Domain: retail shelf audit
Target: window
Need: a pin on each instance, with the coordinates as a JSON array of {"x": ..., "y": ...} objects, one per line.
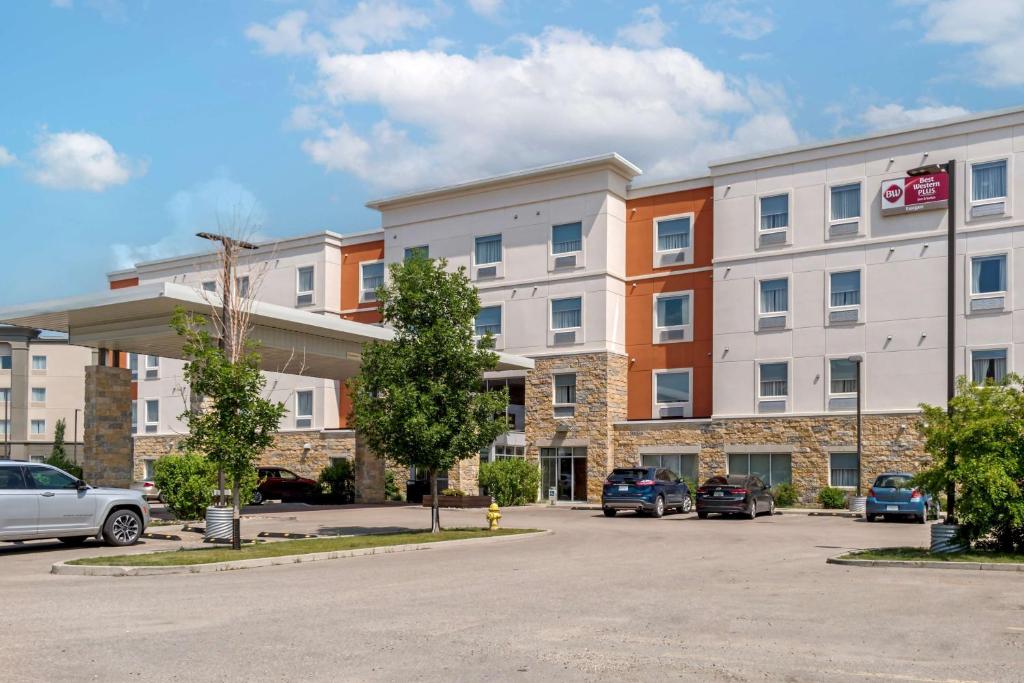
[
  {"x": 303, "y": 409},
  {"x": 988, "y": 274},
  {"x": 988, "y": 365},
  {"x": 564, "y": 397},
  {"x": 845, "y": 202},
  {"x": 152, "y": 367},
  {"x": 567, "y": 238},
  {"x": 773, "y": 468},
  {"x": 488, "y": 250},
  {"x": 988, "y": 180},
  {"x": 242, "y": 286},
  {"x": 4, "y": 425},
  {"x": 11, "y": 478},
  {"x": 673, "y": 233},
  {"x": 421, "y": 251},
  {"x": 38, "y": 395},
  {"x": 774, "y": 380},
  {"x": 842, "y": 376},
  {"x": 149, "y": 469},
  {"x": 37, "y": 458},
  {"x": 5, "y": 362},
  {"x": 210, "y": 286},
  {"x": 372, "y": 278},
  {"x": 304, "y": 286},
  {"x": 133, "y": 365},
  {"x": 671, "y": 387},
  {"x": 845, "y": 289},
  {"x": 682, "y": 464},
  {"x": 673, "y": 310},
  {"x": 38, "y": 427},
  {"x": 488, "y": 320},
  {"x": 152, "y": 415},
  {"x": 566, "y": 314},
  {"x": 135, "y": 417},
  {"x": 843, "y": 469},
  {"x": 39, "y": 362},
  {"x": 775, "y": 212},
  {"x": 46, "y": 478},
  {"x": 775, "y": 296},
  {"x": 5, "y": 395}
]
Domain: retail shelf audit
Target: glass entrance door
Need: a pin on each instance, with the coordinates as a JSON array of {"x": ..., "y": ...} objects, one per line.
[{"x": 565, "y": 470}]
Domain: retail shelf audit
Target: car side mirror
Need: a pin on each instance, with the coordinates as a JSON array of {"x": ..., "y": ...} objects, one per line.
[{"x": 81, "y": 485}]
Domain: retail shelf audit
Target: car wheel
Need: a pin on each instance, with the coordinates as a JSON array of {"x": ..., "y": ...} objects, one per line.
[
  {"x": 609, "y": 512},
  {"x": 73, "y": 540},
  {"x": 870, "y": 518},
  {"x": 687, "y": 505},
  {"x": 702, "y": 515},
  {"x": 123, "y": 527},
  {"x": 257, "y": 498},
  {"x": 659, "y": 507},
  {"x": 923, "y": 518},
  {"x": 753, "y": 510}
]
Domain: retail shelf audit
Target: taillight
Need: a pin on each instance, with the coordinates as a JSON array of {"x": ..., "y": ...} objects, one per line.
[
  {"x": 147, "y": 483},
  {"x": 740, "y": 492},
  {"x": 702, "y": 489},
  {"x": 915, "y": 495},
  {"x": 608, "y": 482},
  {"x": 871, "y": 492},
  {"x": 645, "y": 482}
]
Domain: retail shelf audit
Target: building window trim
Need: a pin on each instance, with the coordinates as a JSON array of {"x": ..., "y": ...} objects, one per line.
[
  {"x": 989, "y": 302},
  {"x": 686, "y": 329},
  {"x": 761, "y": 396},
  {"x": 980, "y": 209},
  {"x": 840, "y": 308},
  {"x": 305, "y": 297},
  {"x": 832, "y": 223},
  {"x": 151, "y": 426},
  {"x": 500, "y": 305},
  {"x": 686, "y": 406},
  {"x": 367, "y": 295},
  {"x": 564, "y": 409},
  {"x": 305, "y": 420},
  {"x": 39, "y": 364},
  {"x": 828, "y": 379},
  {"x": 831, "y": 480},
  {"x": 752, "y": 450},
  {"x": 152, "y": 369},
  {"x": 766, "y": 321},
  {"x": 686, "y": 250},
  {"x": 786, "y": 229},
  {"x": 969, "y": 360},
  {"x": 38, "y": 396}
]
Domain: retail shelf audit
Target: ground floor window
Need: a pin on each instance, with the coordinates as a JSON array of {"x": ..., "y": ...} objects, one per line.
[
  {"x": 842, "y": 470},
  {"x": 773, "y": 468},
  {"x": 682, "y": 464},
  {"x": 565, "y": 470},
  {"x": 500, "y": 452},
  {"x": 149, "y": 467}
]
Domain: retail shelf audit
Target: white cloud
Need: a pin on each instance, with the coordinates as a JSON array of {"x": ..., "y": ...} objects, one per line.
[
  {"x": 217, "y": 205},
  {"x": 734, "y": 19},
  {"x": 305, "y": 117},
  {"x": 6, "y": 157},
  {"x": 445, "y": 117},
  {"x": 993, "y": 27},
  {"x": 647, "y": 29},
  {"x": 81, "y": 161},
  {"x": 285, "y": 37},
  {"x": 63, "y": 4},
  {"x": 898, "y": 116},
  {"x": 487, "y": 8}
]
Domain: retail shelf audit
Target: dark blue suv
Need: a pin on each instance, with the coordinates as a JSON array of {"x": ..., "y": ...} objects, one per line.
[{"x": 646, "y": 490}]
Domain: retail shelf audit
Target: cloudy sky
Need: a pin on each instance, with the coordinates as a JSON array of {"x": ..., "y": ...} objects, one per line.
[{"x": 125, "y": 127}]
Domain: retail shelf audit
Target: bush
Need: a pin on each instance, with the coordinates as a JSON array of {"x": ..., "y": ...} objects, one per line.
[
  {"x": 188, "y": 484},
  {"x": 512, "y": 481},
  {"x": 786, "y": 495},
  {"x": 59, "y": 457},
  {"x": 832, "y": 498},
  {"x": 338, "y": 481},
  {"x": 391, "y": 490},
  {"x": 691, "y": 485},
  {"x": 458, "y": 493}
]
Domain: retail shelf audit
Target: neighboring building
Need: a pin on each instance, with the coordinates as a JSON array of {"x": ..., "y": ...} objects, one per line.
[{"x": 42, "y": 381}]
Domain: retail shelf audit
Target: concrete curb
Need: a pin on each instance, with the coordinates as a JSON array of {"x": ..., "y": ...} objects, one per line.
[
  {"x": 927, "y": 564},
  {"x": 99, "y": 570}
]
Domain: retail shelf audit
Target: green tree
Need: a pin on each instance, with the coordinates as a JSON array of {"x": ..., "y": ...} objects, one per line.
[
  {"x": 58, "y": 455},
  {"x": 419, "y": 399},
  {"x": 235, "y": 423},
  {"x": 986, "y": 432}
]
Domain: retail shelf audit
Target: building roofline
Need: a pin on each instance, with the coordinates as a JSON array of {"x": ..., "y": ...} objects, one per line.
[
  {"x": 869, "y": 137},
  {"x": 613, "y": 160},
  {"x": 666, "y": 186}
]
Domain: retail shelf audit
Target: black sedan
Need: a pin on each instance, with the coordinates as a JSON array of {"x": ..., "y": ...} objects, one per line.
[{"x": 735, "y": 494}]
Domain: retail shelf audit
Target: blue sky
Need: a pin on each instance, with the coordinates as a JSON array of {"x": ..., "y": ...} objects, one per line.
[{"x": 125, "y": 127}]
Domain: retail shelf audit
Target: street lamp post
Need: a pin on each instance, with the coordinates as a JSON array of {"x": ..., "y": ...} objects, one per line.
[{"x": 857, "y": 361}]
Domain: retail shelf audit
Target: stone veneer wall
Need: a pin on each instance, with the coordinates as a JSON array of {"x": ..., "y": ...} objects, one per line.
[
  {"x": 600, "y": 402},
  {"x": 107, "y": 450},
  {"x": 890, "y": 442}
]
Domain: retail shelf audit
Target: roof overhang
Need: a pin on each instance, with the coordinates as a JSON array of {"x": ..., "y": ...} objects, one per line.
[{"x": 137, "y": 319}]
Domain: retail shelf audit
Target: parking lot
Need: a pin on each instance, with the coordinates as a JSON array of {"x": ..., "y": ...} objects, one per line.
[{"x": 611, "y": 599}]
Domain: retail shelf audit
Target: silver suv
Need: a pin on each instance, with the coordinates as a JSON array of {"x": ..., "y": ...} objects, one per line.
[{"x": 40, "y": 501}]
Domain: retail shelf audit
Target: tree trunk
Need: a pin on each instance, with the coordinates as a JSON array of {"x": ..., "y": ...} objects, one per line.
[
  {"x": 435, "y": 508},
  {"x": 236, "y": 517},
  {"x": 221, "y": 499}
]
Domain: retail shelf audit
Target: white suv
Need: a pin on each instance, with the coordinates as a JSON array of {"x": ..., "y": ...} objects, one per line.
[{"x": 40, "y": 501}]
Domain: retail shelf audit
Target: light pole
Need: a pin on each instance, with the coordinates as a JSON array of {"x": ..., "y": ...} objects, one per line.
[{"x": 857, "y": 361}]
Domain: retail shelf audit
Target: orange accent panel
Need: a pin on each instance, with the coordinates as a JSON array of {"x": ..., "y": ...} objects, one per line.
[
  {"x": 364, "y": 316},
  {"x": 344, "y": 406},
  {"x": 127, "y": 282},
  {"x": 640, "y": 215},
  {"x": 351, "y": 257}
]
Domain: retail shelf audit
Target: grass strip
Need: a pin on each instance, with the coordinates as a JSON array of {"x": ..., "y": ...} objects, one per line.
[
  {"x": 916, "y": 554},
  {"x": 169, "y": 558}
]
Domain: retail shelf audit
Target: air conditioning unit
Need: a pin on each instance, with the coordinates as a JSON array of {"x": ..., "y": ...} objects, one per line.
[
  {"x": 849, "y": 315},
  {"x": 993, "y": 209},
  {"x": 991, "y": 303},
  {"x": 152, "y": 373},
  {"x": 672, "y": 335},
  {"x": 843, "y": 229},
  {"x": 303, "y": 422},
  {"x": 768, "y": 239},
  {"x": 672, "y": 411},
  {"x": 672, "y": 258},
  {"x": 568, "y": 261},
  {"x": 486, "y": 272},
  {"x": 564, "y": 337},
  {"x": 304, "y": 300},
  {"x": 772, "y": 322}
]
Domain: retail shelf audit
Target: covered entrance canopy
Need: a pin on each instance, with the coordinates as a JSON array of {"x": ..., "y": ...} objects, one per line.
[{"x": 137, "y": 319}]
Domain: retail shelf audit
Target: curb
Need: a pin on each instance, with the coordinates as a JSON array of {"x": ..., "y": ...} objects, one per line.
[
  {"x": 849, "y": 515},
  {"x": 927, "y": 564},
  {"x": 284, "y": 534},
  {"x": 161, "y": 537},
  {"x": 99, "y": 570}
]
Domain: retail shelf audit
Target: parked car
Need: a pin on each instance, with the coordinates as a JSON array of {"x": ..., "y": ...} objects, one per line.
[
  {"x": 148, "y": 490},
  {"x": 648, "y": 490},
  {"x": 41, "y": 501},
  {"x": 892, "y": 495},
  {"x": 277, "y": 483},
  {"x": 735, "y": 494}
]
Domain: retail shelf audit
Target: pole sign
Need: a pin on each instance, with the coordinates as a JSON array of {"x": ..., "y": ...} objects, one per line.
[{"x": 915, "y": 193}]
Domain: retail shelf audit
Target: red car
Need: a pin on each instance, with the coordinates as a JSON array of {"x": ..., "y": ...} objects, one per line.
[{"x": 277, "y": 483}]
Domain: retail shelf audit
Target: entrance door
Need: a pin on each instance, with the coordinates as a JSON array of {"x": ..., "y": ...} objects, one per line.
[{"x": 565, "y": 470}]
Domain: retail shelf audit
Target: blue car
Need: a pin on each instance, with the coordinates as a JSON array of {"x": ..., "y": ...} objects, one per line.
[
  {"x": 647, "y": 490},
  {"x": 892, "y": 495}
]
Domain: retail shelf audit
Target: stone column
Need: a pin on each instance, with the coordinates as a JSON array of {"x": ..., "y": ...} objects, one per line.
[
  {"x": 369, "y": 474},
  {"x": 108, "y": 426},
  {"x": 18, "y": 426}
]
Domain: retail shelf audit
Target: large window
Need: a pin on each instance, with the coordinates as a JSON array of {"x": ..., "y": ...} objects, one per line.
[
  {"x": 488, "y": 320},
  {"x": 488, "y": 249},
  {"x": 843, "y": 469},
  {"x": 988, "y": 180},
  {"x": 988, "y": 365},
  {"x": 152, "y": 416},
  {"x": 845, "y": 202},
  {"x": 773, "y": 468},
  {"x": 38, "y": 394},
  {"x": 672, "y": 387},
  {"x": 844, "y": 289},
  {"x": 566, "y": 314},
  {"x": 372, "y": 278},
  {"x": 842, "y": 376},
  {"x": 39, "y": 363},
  {"x": 988, "y": 274},
  {"x": 682, "y": 464},
  {"x": 304, "y": 286},
  {"x": 303, "y": 409},
  {"x": 774, "y": 380},
  {"x": 673, "y": 310},
  {"x": 775, "y": 296},
  {"x": 567, "y": 238},
  {"x": 775, "y": 212},
  {"x": 673, "y": 233},
  {"x": 38, "y": 427}
]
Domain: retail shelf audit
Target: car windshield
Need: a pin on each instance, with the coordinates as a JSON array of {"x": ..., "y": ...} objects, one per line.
[
  {"x": 893, "y": 481},
  {"x": 627, "y": 475}
]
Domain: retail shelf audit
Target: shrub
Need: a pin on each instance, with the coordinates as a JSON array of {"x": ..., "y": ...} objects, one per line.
[
  {"x": 186, "y": 482},
  {"x": 453, "y": 492},
  {"x": 391, "y": 490},
  {"x": 691, "y": 485},
  {"x": 338, "y": 480},
  {"x": 786, "y": 495},
  {"x": 59, "y": 457},
  {"x": 512, "y": 481},
  {"x": 832, "y": 498}
]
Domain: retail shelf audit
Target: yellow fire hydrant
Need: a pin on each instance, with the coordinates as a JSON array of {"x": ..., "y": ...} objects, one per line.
[{"x": 493, "y": 515}]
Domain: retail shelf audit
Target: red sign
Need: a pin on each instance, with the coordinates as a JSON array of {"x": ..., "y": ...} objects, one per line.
[{"x": 915, "y": 193}]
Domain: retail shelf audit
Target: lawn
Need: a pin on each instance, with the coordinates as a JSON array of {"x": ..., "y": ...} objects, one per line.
[
  {"x": 283, "y": 548},
  {"x": 905, "y": 554}
]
